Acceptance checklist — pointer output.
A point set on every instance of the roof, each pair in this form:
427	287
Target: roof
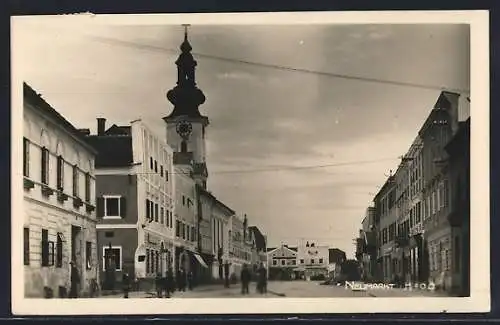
260	240
270	249
459	139
336	255
386	187
112	151
119	130
38	103
224	207
435	114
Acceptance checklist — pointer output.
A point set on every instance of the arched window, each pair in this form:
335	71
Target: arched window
183	146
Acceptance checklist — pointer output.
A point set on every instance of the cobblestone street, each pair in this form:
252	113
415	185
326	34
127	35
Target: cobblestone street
289	289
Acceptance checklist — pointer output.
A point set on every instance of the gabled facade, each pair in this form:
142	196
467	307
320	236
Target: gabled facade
59	204
135	199
281	262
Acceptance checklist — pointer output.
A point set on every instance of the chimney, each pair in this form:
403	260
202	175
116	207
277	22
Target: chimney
101	126
85	132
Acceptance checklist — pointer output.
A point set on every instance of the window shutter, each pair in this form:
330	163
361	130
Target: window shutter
45	253
59	250
123	207
100	207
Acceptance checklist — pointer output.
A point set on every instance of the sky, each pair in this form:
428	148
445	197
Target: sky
301	153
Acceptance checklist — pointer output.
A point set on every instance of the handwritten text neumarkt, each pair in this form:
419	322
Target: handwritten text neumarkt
359	285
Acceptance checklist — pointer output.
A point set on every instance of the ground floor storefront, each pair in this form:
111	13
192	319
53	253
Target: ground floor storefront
54	237
447	254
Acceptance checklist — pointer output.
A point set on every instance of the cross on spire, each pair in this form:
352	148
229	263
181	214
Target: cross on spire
186	31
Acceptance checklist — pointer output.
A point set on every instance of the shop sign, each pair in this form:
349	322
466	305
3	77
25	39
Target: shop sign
152	240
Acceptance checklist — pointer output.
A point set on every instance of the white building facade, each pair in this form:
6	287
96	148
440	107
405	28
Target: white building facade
313	259
59	202
153	159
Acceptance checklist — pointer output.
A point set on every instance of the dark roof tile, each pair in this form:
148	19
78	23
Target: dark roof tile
112	151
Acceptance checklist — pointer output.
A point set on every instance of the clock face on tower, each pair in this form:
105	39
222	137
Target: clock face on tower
184	128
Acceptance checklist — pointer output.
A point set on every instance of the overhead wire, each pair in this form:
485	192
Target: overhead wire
284	68
282	168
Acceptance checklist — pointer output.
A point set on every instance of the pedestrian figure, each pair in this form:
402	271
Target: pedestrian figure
262	279
226	275
245	279
183	279
170	282
178	278
190	280
75	280
159	285
125	284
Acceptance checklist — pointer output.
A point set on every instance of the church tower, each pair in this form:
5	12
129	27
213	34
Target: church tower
185	124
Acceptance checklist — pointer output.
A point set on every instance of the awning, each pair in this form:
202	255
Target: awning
200	260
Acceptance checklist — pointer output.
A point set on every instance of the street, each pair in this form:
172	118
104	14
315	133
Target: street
287	289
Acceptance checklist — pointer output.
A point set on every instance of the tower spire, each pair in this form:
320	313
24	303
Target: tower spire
186	31
185	96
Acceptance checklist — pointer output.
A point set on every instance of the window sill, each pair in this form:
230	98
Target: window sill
77	202
61	197
111	218
47	191
28	184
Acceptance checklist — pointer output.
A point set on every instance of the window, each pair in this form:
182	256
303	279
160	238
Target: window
45	166
275	262
283	262
87	188
183	200
151	164
161	170
183	231
177	228
320	261
88	255
156	166
171	221
59	250
26	157
162	216
312	260
157	259
183	146
75	181
114	206
166	175
26	246
148	261
60	173
188	233
418	212
294	262
193	234
156	212
112	256
148	211
47	249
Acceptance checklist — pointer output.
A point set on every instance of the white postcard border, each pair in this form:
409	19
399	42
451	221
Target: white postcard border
479	301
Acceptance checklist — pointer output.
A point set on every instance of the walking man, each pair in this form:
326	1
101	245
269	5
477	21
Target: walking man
75	280
262	279
170	283
125	284
245	279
